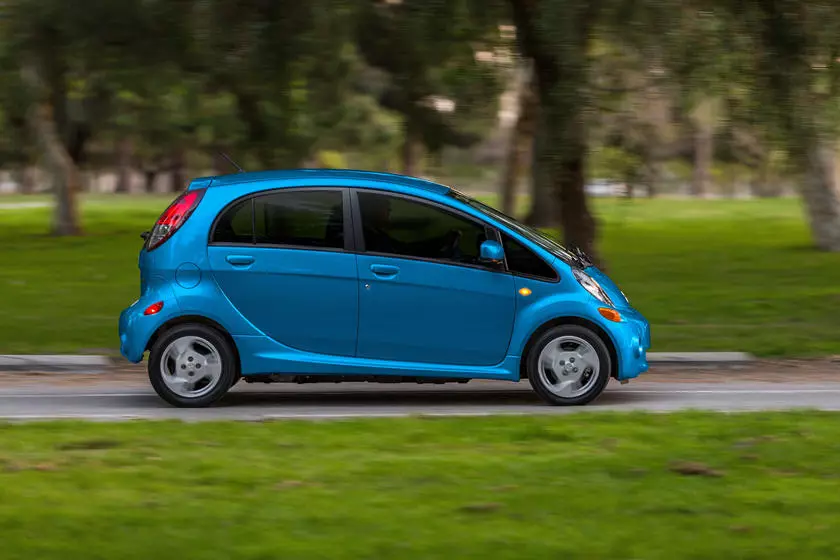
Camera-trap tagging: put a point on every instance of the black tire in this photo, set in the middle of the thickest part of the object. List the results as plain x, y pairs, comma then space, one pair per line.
229, 365
602, 375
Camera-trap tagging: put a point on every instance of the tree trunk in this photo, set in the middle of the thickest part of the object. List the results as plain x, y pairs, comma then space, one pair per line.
757, 185
772, 188
410, 149
821, 196
149, 176
542, 213
654, 176
179, 170
579, 226
561, 73
65, 175
703, 151
731, 184
125, 155
26, 180
520, 145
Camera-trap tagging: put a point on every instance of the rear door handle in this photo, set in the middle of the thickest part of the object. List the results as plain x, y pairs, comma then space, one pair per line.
240, 260
384, 270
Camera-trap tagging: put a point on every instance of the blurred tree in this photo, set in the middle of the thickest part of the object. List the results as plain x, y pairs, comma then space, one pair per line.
284, 66
521, 137
798, 55
439, 62
70, 60
556, 35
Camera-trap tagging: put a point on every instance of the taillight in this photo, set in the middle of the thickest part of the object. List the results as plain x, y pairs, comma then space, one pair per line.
174, 217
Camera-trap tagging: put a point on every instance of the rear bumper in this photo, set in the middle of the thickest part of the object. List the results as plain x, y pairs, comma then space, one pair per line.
632, 338
136, 329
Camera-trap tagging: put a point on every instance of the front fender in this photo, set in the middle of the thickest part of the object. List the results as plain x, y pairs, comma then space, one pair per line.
630, 337
532, 315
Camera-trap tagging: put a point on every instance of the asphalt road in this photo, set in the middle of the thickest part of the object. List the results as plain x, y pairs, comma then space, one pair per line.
254, 402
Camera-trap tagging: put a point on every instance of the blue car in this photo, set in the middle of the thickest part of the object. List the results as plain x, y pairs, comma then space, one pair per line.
310, 276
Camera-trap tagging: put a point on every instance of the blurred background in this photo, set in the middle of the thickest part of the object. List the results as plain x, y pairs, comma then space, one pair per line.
689, 146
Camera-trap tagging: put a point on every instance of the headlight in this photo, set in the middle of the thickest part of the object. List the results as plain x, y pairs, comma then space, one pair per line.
593, 287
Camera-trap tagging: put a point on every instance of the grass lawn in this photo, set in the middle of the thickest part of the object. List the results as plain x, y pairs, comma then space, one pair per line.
709, 275
687, 485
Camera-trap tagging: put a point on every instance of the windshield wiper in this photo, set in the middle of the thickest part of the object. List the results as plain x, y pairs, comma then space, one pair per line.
583, 258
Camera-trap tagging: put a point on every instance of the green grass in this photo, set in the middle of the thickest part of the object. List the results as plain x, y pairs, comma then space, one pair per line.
687, 485
710, 275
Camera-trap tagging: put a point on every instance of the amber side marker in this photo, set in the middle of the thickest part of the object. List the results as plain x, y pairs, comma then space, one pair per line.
524, 292
610, 314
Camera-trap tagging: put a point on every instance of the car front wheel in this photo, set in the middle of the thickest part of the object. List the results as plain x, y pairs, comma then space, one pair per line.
569, 365
192, 366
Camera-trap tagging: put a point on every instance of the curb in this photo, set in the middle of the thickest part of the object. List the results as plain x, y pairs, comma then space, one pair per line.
699, 358
72, 363
62, 363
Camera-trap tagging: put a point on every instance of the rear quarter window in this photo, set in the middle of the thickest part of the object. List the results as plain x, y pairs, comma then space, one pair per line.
235, 224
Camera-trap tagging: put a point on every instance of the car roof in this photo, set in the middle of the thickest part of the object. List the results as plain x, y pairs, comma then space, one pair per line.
332, 175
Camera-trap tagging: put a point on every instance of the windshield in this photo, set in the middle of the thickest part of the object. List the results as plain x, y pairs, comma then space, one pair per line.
530, 233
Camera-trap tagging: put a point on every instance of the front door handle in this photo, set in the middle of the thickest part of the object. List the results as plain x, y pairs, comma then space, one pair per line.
384, 270
240, 260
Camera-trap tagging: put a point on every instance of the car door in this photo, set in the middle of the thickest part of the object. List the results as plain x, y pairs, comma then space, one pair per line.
423, 294
283, 259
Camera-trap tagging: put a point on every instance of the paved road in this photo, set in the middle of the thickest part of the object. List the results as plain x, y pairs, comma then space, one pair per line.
254, 402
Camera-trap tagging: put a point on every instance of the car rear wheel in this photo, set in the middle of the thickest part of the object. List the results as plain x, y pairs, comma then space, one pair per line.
192, 366
569, 365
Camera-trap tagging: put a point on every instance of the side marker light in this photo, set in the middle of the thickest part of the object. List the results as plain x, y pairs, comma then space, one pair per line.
610, 314
154, 308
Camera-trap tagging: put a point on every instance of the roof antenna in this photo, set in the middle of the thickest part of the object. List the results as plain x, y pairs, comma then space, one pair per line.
233, 163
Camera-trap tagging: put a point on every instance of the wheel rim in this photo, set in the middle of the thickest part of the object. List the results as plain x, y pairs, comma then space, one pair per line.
568, 366
191, 366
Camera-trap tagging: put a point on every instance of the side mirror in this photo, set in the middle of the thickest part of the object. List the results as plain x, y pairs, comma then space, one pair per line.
491, 252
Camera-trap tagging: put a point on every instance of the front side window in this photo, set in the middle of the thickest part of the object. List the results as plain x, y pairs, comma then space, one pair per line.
395, 225
532, 234
521, 260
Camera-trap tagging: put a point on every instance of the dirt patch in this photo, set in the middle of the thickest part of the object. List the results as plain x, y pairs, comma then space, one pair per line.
694, 469
769, 371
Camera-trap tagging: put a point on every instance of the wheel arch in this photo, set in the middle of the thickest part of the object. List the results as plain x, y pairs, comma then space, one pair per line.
200, 319
570, 320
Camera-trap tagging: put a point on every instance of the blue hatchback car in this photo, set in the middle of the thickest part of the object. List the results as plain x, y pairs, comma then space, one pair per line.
335, 275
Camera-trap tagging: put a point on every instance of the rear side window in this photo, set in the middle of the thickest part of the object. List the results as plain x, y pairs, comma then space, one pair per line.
235, 225
305, 218
521, 260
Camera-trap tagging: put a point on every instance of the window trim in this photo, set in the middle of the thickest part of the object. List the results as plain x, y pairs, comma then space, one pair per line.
354, 235
490, 231
347, 217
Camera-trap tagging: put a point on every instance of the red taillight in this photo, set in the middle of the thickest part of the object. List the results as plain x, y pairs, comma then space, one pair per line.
154, 308
174, 217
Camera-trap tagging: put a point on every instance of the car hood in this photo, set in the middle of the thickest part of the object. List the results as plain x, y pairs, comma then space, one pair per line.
609, 286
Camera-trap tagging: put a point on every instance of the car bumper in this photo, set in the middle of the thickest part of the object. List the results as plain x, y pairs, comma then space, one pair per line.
136, 329
632, 338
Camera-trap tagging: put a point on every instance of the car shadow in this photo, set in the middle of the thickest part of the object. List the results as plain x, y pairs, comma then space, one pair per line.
386, 398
